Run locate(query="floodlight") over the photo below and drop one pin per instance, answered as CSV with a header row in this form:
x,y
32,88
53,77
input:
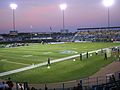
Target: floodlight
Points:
x,y
108,3
13,6
63,6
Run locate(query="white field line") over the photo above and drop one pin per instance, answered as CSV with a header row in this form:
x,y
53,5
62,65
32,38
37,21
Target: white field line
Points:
x,y
27,55
14,62
43,64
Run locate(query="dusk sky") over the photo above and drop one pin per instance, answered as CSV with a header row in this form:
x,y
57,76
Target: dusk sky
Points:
x,y
40,15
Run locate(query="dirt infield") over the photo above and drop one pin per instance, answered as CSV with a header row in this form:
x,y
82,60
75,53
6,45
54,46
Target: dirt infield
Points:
x,y
111,68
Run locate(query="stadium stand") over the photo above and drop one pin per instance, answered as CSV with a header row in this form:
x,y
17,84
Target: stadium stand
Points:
x,y
102,34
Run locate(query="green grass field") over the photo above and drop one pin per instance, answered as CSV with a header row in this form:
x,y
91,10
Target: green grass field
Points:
x,y
13,58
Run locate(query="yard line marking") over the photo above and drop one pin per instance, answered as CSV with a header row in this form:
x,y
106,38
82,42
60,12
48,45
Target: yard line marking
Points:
x,y
27,55
47,52
5,60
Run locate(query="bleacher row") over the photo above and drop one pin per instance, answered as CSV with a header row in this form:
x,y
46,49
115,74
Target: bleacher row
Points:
x,y
99,36
115,85
84,35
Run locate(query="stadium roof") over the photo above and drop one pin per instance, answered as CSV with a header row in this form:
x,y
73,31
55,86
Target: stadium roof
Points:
x,y
92,28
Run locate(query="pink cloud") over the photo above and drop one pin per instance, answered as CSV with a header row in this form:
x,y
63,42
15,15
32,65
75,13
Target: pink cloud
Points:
x,y
37,16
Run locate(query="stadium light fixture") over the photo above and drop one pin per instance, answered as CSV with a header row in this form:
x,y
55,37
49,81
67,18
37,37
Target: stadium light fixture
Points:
x,y
108,3
63,8
13,6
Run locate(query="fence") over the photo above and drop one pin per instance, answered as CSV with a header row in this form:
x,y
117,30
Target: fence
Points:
x,y
86,83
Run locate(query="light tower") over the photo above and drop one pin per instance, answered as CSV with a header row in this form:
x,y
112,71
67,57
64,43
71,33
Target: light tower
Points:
x,y
13,6
108,3
63,8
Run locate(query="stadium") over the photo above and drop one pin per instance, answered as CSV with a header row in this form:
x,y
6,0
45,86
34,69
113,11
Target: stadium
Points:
x,y
86,59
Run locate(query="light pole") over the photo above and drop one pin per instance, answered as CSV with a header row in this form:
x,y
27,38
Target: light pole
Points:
x,y
13,6
108,3
63,7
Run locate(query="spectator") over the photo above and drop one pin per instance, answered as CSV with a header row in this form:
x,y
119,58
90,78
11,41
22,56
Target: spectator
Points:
x,y
105,56
48,61
20,86
87,54
46,87
10,83
79,87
